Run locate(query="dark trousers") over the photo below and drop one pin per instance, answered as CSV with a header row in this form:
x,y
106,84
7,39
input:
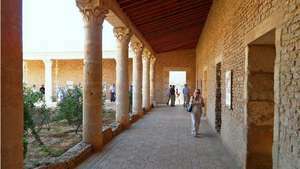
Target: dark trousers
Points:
x,y
112,97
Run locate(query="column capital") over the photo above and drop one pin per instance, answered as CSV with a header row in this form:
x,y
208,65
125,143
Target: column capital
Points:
x,y
152,59
122,33
137,46
93,11
146,54
47,61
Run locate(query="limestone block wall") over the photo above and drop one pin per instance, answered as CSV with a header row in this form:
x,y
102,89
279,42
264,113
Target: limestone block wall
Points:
x,y
260,106
223,40
180,60
66,71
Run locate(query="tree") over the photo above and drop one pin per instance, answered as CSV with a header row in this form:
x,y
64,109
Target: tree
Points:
x,y
31,98
70,107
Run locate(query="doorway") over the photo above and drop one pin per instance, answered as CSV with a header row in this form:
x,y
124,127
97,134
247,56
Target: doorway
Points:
x,y
218,105
260,105
178,78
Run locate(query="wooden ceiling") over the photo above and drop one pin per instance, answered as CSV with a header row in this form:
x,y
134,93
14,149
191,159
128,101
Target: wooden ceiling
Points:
x,y
168,24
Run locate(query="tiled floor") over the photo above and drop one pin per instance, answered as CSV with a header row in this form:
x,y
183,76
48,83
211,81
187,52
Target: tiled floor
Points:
x,y
162,140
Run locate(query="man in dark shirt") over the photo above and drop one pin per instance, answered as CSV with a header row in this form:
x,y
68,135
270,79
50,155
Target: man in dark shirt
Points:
x,y
172,93
42,89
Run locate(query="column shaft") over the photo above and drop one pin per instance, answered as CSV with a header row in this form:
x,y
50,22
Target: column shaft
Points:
x,y
11,85
146,83
92,74
137,79
48,81
152,70
122,96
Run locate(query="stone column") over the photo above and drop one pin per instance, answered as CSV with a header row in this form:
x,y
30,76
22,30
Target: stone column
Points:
x,y
137,78
146,80
48,81
93,14
122,35
11,85
152,70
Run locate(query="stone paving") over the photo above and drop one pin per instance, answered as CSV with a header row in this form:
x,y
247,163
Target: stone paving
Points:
x,y
162,140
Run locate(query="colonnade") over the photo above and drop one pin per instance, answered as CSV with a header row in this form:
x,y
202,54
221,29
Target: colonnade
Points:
x,y
94,14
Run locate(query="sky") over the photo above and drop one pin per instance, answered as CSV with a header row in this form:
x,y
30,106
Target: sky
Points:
x,y
177,78
57,26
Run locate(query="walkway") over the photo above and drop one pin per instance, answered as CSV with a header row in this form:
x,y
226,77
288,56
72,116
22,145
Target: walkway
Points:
x,y
162,140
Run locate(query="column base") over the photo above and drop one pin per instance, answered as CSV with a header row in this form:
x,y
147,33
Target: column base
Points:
x,y
134,118
146,110
97,144
141,114
126,125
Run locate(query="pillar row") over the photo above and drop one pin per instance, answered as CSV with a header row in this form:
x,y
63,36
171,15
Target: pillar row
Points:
x,y
146,79
93,15
137,48
122,35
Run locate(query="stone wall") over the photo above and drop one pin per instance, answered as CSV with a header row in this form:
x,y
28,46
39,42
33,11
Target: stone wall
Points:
x,y
260,106
225,38
181,60
33,72
64,71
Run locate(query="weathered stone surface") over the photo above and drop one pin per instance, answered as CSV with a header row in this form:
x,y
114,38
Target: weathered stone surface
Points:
x,y
69,159
162,140
137,73
225,38
107,135
123,36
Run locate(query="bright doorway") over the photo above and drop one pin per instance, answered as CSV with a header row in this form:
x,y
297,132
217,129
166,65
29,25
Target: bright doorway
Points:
x,y
178,78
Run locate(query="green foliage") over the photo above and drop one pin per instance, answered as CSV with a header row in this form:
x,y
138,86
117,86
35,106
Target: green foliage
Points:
x,y
70,107
31,98
25,144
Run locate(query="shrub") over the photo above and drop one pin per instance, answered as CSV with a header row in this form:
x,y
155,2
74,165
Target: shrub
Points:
x,y
31,98
70,108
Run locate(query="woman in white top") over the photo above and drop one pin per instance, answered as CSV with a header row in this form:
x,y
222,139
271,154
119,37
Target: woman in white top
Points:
x,y
197,103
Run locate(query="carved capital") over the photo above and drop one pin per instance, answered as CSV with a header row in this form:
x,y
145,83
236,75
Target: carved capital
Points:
x,y
93,11
146,54
122,33
152,59
137,47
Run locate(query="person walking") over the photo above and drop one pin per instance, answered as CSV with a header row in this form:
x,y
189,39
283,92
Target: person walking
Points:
x,y
34,89
169,95
197,103
172,93
186,95
112,91
130,98
42,89
177,96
